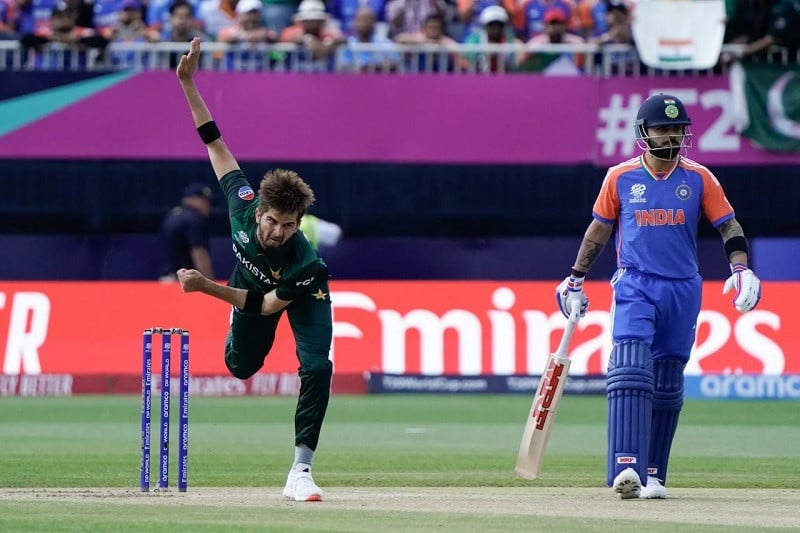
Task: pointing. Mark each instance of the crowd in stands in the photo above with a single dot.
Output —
(322, 28)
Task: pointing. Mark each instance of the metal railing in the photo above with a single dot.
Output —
(603, 61)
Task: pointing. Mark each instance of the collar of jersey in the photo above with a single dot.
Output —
(653, 174)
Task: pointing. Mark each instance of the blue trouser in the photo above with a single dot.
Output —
(653, 329)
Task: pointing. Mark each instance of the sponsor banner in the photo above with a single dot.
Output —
(466, 328)
(259, 385)
(675, 34)
(417, 383)
(743, 387)
(598, 122)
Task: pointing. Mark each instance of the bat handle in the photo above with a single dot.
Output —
(574, 316)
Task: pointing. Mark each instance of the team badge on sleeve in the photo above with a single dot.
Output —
(246, 193)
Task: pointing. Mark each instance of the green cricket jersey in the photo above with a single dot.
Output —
(294, 270)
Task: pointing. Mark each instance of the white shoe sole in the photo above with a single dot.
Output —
(290, 491)
(310, 498)
(627, 484)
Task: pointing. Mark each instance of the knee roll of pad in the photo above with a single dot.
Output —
(629, 386)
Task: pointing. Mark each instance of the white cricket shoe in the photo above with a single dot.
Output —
(300, 486)
(627, 484)
(654, 490)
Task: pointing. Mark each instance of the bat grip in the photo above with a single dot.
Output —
(569, 329)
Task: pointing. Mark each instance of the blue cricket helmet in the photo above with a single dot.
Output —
(661, 110)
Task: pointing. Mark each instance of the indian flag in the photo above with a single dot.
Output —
(679, 34)
(675, 50)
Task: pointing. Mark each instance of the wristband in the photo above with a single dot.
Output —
(253, 301)
(209, 132)
(736, 244)
(577, 274)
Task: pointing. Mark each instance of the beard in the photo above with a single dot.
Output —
(667, 152)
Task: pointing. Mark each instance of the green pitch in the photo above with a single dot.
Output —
(452, 442)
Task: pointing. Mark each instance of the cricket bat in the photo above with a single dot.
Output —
(544, 407)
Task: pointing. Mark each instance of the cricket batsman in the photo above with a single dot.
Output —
(655, 202)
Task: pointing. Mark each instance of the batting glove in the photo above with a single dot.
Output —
(571, 290)
(747, 286)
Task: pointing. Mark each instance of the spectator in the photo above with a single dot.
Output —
(278, 14)
(589, 18)
(617, 31)
(313, 32)
(345, 11)
(747, 20)
(432, 34)
(129, 26)
(63, 28)
(468, 11)
(783, 30)
(249, 28)
(8, 20)
(495, 29)
(185, 233)
(531, 21)
(159, 12)
(216, 14)
(34, 16)
(407, 16)
(617, 24)
(368, 61)
(561, 63)
(183, 26)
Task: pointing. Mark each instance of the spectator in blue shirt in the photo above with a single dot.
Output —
(385, 60)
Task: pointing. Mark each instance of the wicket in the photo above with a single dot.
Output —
(183, 418)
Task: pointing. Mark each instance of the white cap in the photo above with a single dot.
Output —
(246, 6)
(493, 14)
(311, 10)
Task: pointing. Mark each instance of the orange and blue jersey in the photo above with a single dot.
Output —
(657, 215)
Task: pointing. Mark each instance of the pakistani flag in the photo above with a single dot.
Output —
(767, 105)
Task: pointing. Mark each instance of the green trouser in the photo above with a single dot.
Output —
(251, 337)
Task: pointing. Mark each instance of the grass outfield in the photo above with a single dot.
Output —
(89, 447)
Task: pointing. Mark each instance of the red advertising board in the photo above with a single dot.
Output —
(434, 327)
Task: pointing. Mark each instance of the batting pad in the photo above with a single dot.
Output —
(667, 404)
(629, 385)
